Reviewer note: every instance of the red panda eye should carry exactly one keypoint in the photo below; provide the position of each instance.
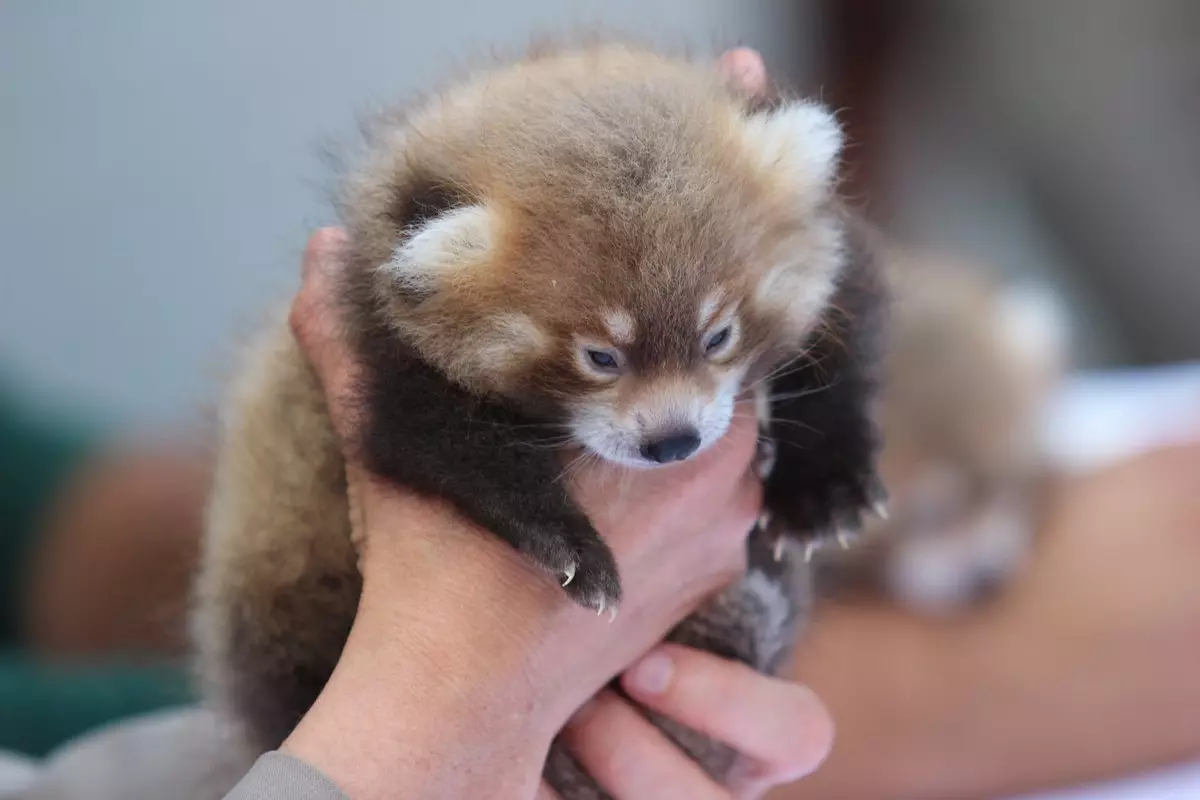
(603, 359)
(717, 340)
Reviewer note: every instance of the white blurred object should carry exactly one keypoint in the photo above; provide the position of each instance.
(1178, 783)
(941, 572)
(1038, 327)
(1102, 417)
(178, 753)
(16, 774)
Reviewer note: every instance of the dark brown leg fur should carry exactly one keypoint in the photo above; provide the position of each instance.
(755, 621)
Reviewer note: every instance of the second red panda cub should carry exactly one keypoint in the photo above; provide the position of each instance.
(972, 360)
(605, 241)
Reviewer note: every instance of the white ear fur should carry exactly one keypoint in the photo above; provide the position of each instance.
(800, 293)
(493, 348)
(444, 244)
(802, 141)
(507, 338)
(1032, 320)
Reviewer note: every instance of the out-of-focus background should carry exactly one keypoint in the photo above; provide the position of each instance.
(161, 169)
(160, 162)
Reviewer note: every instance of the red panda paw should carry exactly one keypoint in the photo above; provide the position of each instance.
(581, 562)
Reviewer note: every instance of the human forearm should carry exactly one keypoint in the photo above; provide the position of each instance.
(465, 661)
(435, 695)
(1083, 670)
(945, 713)
(378, 736)
(891, 684)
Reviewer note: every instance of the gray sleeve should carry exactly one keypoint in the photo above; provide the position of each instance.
(278, 776)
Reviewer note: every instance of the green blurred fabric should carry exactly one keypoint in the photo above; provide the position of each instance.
(43, 705)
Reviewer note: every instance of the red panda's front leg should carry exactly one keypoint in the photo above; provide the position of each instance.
(490, 462)
(822, 418)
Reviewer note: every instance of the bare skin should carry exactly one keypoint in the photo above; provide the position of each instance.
(135, 513)
(123, 536)
(464, 662)
(1064, 680)
(1085, 670)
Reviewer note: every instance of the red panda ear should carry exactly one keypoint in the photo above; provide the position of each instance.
(801, 142)
(439, 247)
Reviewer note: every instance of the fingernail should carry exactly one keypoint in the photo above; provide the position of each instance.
(746, 68)
(323, 245)
(652, 674)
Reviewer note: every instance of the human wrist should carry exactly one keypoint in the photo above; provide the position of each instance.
(436, 675)
(451, 593)
(391, 727)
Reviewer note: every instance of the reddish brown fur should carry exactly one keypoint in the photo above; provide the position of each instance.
(588, 216)
(637, 192)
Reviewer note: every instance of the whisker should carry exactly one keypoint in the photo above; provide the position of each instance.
(552, 443)
(573, 466)
(520, 426)
(793, 365)
(624, 485)
(805, 392)
(797, 423)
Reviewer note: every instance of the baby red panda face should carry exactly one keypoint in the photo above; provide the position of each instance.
(625, 272)
(645, 405)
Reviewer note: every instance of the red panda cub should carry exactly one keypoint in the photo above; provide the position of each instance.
(971, 363)
(605, 239)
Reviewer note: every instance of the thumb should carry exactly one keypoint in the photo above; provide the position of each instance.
(319, 329)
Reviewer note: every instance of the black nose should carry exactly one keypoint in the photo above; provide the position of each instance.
(675, 447)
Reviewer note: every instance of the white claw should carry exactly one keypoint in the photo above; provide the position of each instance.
(778, 551)
(764, 461)
(570, 575)
(810, 548)
(612, 614)
(844, 539)
(880, 509)
(600, 608)
(764, 520)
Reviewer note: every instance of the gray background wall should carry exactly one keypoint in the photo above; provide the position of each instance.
(159, 164)
(1063, 137)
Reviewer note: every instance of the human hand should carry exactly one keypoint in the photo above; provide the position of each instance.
(463, 649)
(1083, 669)
(504, 638)
(781, 730)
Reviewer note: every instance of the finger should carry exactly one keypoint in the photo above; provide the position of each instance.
(780, 726)
(722, 540)
(318, 328)
(703, 489)
(316, 323)
(314, 315)
(322, 242)
(745, 68)
(746, 506)
(631, 758)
